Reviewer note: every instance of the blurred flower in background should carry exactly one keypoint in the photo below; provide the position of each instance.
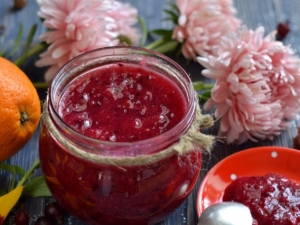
(256, 91)
(202, 23)
(198, 27)
(78, 26)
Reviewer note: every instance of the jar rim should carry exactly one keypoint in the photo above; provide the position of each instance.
(166, 136)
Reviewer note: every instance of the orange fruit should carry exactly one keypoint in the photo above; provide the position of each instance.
(20, 109)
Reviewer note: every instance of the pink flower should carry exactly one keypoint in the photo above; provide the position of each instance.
(202, 23)
(78, 26)
(257, 85)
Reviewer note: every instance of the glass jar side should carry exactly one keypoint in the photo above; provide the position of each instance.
(130, 195)
(110, 193)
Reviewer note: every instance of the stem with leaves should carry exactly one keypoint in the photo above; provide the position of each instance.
(33, 51)
(29, 172)
(203, 89)
(28, 51)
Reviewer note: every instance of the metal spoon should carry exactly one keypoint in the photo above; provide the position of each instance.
(226, 213)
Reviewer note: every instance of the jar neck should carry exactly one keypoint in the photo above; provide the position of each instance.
(104, 56)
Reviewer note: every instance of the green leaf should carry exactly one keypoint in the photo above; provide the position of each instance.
(174, 8)
(2, 54)
(41, 85)
(200, 85)
(29, 172)
(205, 96)
(33, 51)
(14, 170)
(24, 55)
(125, 40)
(30, 38)
(172, 16)
(155, 44)
(166, 34)
(37, 187)
(18, 40)
(167, 47)
(144, 30)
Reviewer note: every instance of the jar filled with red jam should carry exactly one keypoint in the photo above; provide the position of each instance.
(115, 142)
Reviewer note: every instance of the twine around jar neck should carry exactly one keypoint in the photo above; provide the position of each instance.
(191, 140)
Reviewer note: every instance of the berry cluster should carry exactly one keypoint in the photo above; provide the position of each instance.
(53, 215)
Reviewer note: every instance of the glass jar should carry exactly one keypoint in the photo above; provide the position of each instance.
(110, 182)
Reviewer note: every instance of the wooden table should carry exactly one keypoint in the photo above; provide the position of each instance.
(253, 13)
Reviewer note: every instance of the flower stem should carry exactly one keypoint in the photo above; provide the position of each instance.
(29, 172)
(155, 44)
(200, 86)
(31, 52)
(144, 30)
(41, 85)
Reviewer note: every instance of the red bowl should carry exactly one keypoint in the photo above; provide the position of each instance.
(250, 162)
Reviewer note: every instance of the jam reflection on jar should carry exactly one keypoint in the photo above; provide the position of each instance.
(111, 117)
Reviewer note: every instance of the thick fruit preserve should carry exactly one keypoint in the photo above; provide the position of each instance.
(106, 138)
(272, 199)
(122, 103)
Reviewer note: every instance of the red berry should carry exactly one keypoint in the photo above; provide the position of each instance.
(297, 140)
(21, 218)
(55, 211)
(44, 220)
(19, 4)
(282, 30)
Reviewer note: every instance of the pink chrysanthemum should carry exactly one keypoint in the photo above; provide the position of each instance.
(78, 26)
(202, 23)
(257, 85)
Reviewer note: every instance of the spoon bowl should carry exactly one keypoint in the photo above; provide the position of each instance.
(226, 213)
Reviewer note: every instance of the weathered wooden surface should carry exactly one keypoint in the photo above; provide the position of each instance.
(253, 13)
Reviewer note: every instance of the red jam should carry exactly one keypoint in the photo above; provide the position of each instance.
(272, 199)
(123, 104)
(128, 103)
